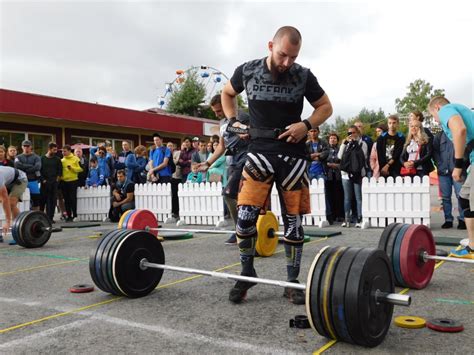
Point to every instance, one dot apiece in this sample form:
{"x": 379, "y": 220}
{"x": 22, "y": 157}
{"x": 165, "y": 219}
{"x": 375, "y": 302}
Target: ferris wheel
{"x": 212, "y": 79}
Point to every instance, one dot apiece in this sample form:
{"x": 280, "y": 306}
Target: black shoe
{"x": 295, "y": 296}
{"x": 461, "y": 225}
{"x": 232, "y": 240}
{"x": 239, "y": 291}
{"x": 447, "y": 225}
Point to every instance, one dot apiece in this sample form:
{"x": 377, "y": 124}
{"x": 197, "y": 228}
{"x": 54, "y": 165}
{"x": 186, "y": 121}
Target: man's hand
{"x": 384, "y": 171}
{"x": 5, "y": 228}
{"x": 457, "y": 174}
{"x": 294, "y": 132}
{"x": 115, "y": 204}
{"x": 408, "y": 164}
{"x": 203, "y": 166}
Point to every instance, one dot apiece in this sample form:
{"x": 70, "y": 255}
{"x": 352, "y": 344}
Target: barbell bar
{"x": 393, "y": 298}
{"x": 349, "y": 291}
{"x": 411, "y": 249}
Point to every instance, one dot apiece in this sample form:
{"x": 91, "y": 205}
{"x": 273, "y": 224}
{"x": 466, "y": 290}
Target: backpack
{"x": 171, "y": 163}
{"x": 353, "y": 160}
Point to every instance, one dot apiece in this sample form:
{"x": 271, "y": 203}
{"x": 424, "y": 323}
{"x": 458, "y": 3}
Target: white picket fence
{"x": 22, "y": 206}
{"x": 317, "y": 217}
{"x": 154, "y": 197}
{"x": 403, "y": 201}
{"x": 201, "y": 203}
{"x": 93, "y": 203}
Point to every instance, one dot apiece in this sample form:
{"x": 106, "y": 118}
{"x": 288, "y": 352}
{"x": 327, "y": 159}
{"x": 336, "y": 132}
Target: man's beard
{"x": 277, "y": 76}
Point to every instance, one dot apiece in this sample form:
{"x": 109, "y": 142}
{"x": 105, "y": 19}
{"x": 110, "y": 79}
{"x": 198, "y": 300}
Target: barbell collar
{"x": 426, "y": 257}
{"x": 393, "y": 298}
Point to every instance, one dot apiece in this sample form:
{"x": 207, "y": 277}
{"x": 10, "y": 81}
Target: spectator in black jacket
{"x": 360, "y": 126}
{"x": 389, "y": 148}
{"x": 84, "y": 163}
{"x": 443, "y": 156}
{"x": 417, "y": 152}
{"x": 51, "y": 172}
{"x": 333, "y": 184}
{"x": 30, "y": 163}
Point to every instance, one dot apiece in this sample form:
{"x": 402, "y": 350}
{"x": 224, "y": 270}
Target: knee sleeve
{"x": 246, "y": 221}
{"x": 466, "y": 207}
{"x": 293, "y": 229}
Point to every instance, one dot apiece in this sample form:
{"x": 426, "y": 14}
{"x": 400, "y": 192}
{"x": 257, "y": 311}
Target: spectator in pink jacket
{"x": 373, "y": 160}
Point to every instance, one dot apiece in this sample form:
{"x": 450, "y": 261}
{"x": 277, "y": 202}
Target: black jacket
{"x": 396, "y": 153}
{"x": 424, "y": 158}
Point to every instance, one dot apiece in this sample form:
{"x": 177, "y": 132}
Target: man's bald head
{"x": 294, "y": 36}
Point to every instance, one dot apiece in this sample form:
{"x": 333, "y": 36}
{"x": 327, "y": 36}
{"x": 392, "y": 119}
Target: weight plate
{"x": 368, "y": 321}
{"x": 31, "y": 232}
{"x": 175, "y": 235}
{"x": 267, "y": 241}
{"x": 445, "y": 325}
{"x": 416, "y": 272}
{"x": 128, "y": 276}
{"x": 104, "y": 262}
{"x": 127, "y": 218}
{"x": 309, "y": 284}
{"x": 312, "y": 291}
{"x": 141, "y": 219}
{"x": 385, "y": 234}
{"x": 399, "y": 280}
{"x": 338, "y": 294}
{"x": 81, "y": 288}
{"x": 16, "y": 225}
{"x": 326, "y": 290}
{"x": 410, "y": 322}
{"x": 391, "y": 241}
{"x": 94, "y": 258}
{"x": 122, "y": 218}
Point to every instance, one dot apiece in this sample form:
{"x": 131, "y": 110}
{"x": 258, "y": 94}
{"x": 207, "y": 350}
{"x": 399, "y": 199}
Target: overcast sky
{"x": 121, "y": 53}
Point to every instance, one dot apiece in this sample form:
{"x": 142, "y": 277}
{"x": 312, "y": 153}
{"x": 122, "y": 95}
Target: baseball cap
{"x": 195, "y": 139}
{"x": 26, "y": 142}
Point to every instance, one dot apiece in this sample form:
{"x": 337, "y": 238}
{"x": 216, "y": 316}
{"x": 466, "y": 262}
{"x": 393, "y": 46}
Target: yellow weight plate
{"x": 125, "y": 214}
{"x": 267, "y": 241}
{"x": 409, "y": 322}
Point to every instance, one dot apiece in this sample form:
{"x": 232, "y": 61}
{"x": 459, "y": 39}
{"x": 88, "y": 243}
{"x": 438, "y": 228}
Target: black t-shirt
{"x": 126, "y": 189}
{"x": 275, "y": 104}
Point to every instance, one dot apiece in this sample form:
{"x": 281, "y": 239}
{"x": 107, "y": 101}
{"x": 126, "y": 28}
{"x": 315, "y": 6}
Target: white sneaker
{"x": 345, "y": 224}
{"x": 358, "y": 225}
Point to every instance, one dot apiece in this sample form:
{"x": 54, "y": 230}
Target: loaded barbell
{"x": 31, "y": 229}
{"x": 349, "y": 291}
{"x": 412, "y": 253}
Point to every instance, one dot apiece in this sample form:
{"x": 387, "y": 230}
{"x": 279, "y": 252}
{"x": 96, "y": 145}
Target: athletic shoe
{"x": 465, "y": 253}
{"x": 238, "y": 293}
{"x": 295, "y": 296}
{"x": 461, "y": 225}
{"x": 232, "y": 240}
{"x": 1, "y": 238}
{"x": 358, "y": 225}
{"x": 12, "y": 242}
{"x": 447, "y": 225}
{"x": 345, "y": 224}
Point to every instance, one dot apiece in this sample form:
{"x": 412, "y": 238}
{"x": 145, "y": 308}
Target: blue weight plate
{"x": 127, "y": 218}
{"x": 399, "y": 281}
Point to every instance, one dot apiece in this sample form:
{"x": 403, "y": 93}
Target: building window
{"x": 40, "y": 142}
{"x": 12, "y": 138}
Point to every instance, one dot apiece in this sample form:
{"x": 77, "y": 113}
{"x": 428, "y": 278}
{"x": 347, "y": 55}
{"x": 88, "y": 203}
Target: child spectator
{"x": 95, "y": 177}
{"x": 195, "y": 176}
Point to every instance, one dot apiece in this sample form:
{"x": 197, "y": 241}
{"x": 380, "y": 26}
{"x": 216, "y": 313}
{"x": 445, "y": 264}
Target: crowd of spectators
{"x": 341, "y": 162}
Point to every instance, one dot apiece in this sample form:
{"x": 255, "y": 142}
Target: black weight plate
{"x": 313, "y": 286}
{"x": 16, "y": 224}
{"x": 445, "y": 325}
{"x": 391, "y": 241}
{"x": 103, "y": 261}
{"x": 385, "y": 234}
{"x": 107, "y": 258}
{"x": 338, "y": 294}
{"x": 31, "y": 230}
{"x": 94, "y": 255}
{"x": 326, "y": 290}
{"x": 368, "y": 321}
{"x": 128, "y": 276}
{"x": 18, "y": 235}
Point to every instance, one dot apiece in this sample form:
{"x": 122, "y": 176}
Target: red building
{"x": 43, "y": 119}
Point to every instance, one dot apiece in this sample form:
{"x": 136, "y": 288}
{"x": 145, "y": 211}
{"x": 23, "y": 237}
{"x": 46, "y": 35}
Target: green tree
{"x": 187, "y": 99}
{"x": 417, "y": 97}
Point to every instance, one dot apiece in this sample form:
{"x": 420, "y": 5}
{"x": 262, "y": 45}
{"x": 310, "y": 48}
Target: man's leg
{"x": 230, "y": 192}
{"x": 467, "y": 204}
{"x": 457, "y": 188}
{"x": 446, "y": 190}
{"x": 51, "y": 200}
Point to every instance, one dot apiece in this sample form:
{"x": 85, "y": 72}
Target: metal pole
{"x": 210, "y": 231}
{"x": 426, "y": 256}
{"x": 397, "y": 299}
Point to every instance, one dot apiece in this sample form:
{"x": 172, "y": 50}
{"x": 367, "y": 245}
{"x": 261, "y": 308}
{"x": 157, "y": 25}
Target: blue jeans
{"x": 316, "y": 176}
{"x": 446, "y": 184}
{"x": 351, "y": 188}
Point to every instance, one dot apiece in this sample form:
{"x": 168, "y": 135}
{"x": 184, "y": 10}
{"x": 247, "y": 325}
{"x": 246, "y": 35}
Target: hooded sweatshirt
{"x": 71, "y": 174}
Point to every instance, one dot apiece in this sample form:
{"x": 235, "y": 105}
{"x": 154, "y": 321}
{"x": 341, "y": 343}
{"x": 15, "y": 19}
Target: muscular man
{"x": 457, "y": 122}
{"x": 12, "y": 186}
{"x": 236, "y": 148}
{"x": 276, "y": 87}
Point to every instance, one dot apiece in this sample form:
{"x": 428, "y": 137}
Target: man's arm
{"x": 6, "y": 209}
{"x": 297, "y": 131}
{"x": 218, "y": 152}
{"x": 459, "y": 132}
{"x": 229, "y": 100}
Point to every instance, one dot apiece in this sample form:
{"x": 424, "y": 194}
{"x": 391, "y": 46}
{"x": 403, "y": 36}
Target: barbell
{"x": 267, "y": 228}
{"x": 31, "y": 229}
{"x": 349, "y": 291}
{"x": 412, "y": 253}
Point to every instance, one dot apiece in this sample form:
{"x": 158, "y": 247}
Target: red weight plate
{"x": 81, "y": 288}
{"x": 141, "y": 219}
{"x": 415, "y": 272}
{"x": 445, "y": 325}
